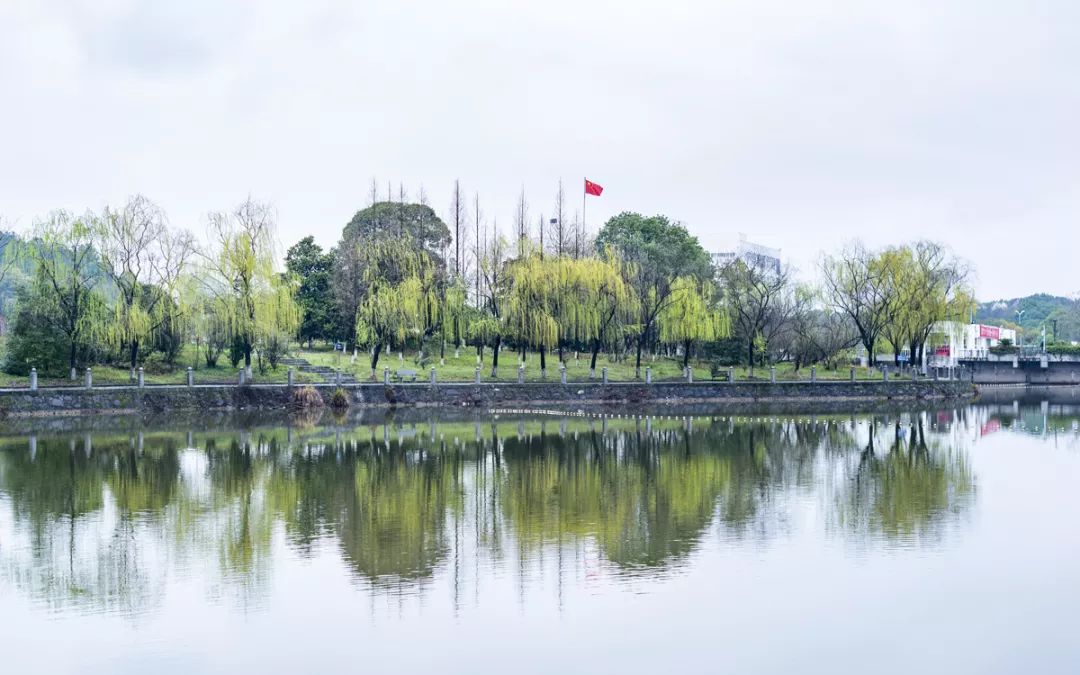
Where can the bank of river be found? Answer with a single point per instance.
(73, 400)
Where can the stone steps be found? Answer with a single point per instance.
(326, 373)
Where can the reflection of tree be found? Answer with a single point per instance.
(906, 490)
(644, 506)
(101, 521)
(393, 527)
(387, 507)
(77, 552)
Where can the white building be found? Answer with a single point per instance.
(750, 253)
(954, 340)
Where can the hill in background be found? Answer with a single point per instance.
(1038, 309)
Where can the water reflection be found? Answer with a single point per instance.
(102, 521)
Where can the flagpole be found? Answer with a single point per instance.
(584, 197)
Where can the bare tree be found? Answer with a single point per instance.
(492, 266)
(402, 196)
(857, 284)
(521, 222)
(10, 250)
(540, 230)
(560, 232)
(754, 292)
(458, 219)
(478, 240)
(144, 260)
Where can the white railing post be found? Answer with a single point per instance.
(89, 379)
(190, 377)
(648, 375)
(33, 379)
(141, 378)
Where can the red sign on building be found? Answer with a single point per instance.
(992, 332)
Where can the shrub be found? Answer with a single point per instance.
(307, 397)
(339, 400)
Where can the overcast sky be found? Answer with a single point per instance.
(803, 124)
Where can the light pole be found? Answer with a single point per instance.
(1019, 328)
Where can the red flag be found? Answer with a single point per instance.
(592, 188)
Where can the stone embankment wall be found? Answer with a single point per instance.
(1025, 372)
(62, 401)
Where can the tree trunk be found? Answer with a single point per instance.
(592, 360)
(750, 352)
(495, 356)
(686, 354)
(375, 358)
(543, 360)
(134, 353)
(637, 359)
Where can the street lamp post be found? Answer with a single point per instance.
(1020, 329)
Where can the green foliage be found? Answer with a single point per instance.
(33, 342)
(1063, 349)
(398, 296)
(657, 252)
(417, 222)
(255, 303)
(236, 351)
(311, 268)
(1054, 312)
(339, 400)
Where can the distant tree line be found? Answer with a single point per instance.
(117, 286)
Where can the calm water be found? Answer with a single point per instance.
(924, 541)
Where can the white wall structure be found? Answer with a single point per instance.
(951, 341)
(750, 253)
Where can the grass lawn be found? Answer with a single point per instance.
(157, 372)
(461, 368)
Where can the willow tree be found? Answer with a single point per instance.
(692, 315)
(399, 292)
(67, 272)
(381, 220)
(145, 261)
(529, 317)
(252, 297)
(450, 315)
(604, 305)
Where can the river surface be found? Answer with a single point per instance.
(910, 541)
